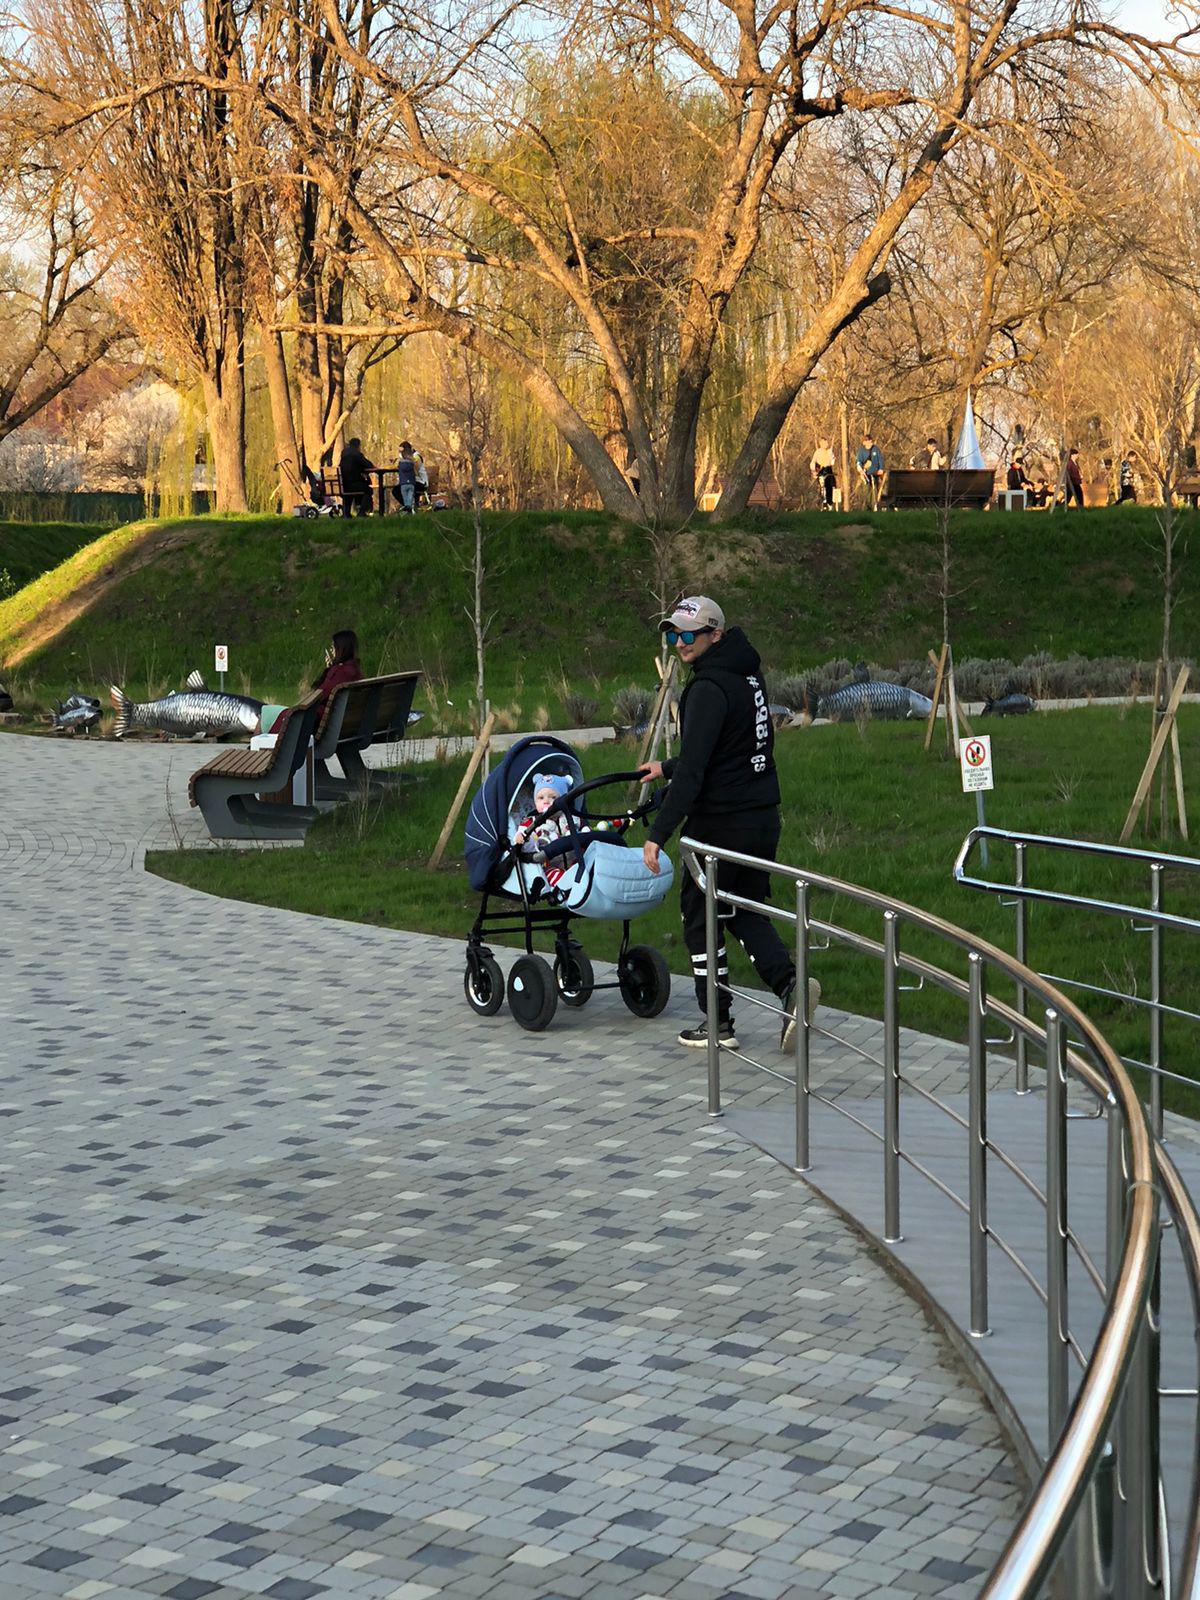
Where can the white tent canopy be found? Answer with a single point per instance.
(967, 453)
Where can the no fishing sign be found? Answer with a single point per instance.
(975, 758)
(221, 658)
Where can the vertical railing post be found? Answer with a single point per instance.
(1021, 952)
(1058, 1348)
(977, 1145)
(1138, 1552)
(976, 1149)
(891, 1080)
(800, 1001)
(712, 1000)
(1156, 1016)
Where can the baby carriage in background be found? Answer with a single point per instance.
(603, 878)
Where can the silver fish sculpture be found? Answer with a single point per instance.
(79, 713)
(863, 692)
(188, 712)
(1010, 702)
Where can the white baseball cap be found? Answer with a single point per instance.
(695, 612)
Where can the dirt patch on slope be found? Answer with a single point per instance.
(60, 614)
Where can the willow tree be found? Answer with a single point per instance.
(781, 77)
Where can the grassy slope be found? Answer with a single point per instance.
(865, 807)
(573, 592)
(29, 549)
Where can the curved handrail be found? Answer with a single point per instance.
(1040, 1532)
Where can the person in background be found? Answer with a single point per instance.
(1017, 476)
(823, 470)
(422, 479)
(1127, 478)
(932, 458)
(869, 461)
(1039, 496)
(341, 666)
(406, 479)
(353, 470)
(1073, 478)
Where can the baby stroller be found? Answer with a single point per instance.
(604, 879)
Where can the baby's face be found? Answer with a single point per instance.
(544, 799)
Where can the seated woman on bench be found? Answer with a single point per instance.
(341, 666)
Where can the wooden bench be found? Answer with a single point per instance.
(912, 487)
(1187, 488)
(230, 788)
(371, 711)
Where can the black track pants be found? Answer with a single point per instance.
(753, 833)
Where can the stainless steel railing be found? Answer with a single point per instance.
(1151, 918)
(1096, 1516)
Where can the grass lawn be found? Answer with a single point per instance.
(27, 549)
(867, 806)
(572, 598)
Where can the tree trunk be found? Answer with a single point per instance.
(286, 455)
(225, 404)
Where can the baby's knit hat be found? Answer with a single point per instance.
(551, 780)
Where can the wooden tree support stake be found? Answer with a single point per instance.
(659, 714)
(940, 663)
(1161, 739)
(481, 745)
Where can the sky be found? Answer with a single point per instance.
(1151, 17)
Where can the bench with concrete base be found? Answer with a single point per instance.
(371, 711)
(233, 790)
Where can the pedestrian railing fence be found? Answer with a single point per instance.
(1096, 1523)
(1147, 916)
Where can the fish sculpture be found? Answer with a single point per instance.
(864, 693)
(193, 710)
(79, 713)
(1010, 702)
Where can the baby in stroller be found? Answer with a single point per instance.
(554, 840)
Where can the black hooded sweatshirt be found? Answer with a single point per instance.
(726, 760)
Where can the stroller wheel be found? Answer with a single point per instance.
(483, 985)
(532, 995)
(645, 981)
(574, 977)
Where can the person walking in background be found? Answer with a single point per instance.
(422, 479)
(823, 470)
(354, 470)
(1073, 479)
(869, 461)
(1127, 478)
(406, 479)
(724, 788)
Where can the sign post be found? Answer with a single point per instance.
(975, 759)
(221, 661)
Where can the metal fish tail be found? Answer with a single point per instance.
(125, 710)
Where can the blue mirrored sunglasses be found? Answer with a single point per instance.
(687, 636)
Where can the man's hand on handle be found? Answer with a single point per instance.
(650, 772)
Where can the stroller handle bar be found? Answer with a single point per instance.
(565, 803)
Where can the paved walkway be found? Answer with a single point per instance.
(318, 1285)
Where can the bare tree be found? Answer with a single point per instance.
(56, 323)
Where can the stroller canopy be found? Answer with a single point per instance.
(489, 820)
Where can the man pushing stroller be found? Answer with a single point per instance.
(724, 786)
